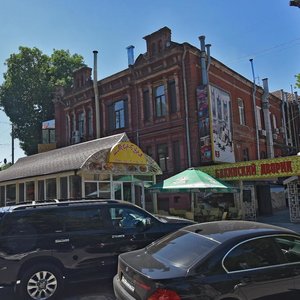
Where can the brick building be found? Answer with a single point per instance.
(181, 107)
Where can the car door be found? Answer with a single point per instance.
(260, 271)
(133, 228)
(85, 247)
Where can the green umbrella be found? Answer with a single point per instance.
(192, 180)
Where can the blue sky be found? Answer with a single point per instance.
(266, 30)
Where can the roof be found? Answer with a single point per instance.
(222, 231)
(65, 159)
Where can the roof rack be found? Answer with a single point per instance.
(63, 202)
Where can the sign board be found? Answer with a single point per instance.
(256, 169)
(126, 153)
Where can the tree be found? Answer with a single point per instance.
(26, 93)
(298, 81)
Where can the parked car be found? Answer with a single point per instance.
(222, 260)
(44, 243)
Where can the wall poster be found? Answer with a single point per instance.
(222, 146)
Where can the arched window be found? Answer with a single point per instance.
(241, 111)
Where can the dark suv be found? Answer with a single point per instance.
(43, 244)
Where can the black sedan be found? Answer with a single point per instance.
(216, 260)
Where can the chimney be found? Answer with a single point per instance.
(130, 55)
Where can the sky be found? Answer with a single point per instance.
(267, 31)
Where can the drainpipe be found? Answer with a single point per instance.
(255, 110)
(207, 46)
(96, 91)
(187, 126)
(283, 117)
(266, 112)
(289, 120)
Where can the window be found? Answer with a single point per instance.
(81, 124)
(149, 151)
(172, 96)
(41, 190)
(290, 247)
(176, 155)
(123, 217)
(257, 253)
(63, 188)
(241, 111)
(10, 194)
(2, 196)
(146, 105)
(21, 192)
(89, 123)
(117, 115)
(51, 188)
(163, 157)
(245, 154)
(82, 218)
(30, 191)
(160, 101)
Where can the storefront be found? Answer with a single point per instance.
(110, 167)
(258, 180)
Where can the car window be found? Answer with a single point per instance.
(290, 247)
(127, 217)
(85, 218)
(256, 253)
(31, 222)
(182, 248)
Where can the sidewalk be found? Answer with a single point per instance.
(280, 218)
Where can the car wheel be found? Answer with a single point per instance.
(43, 281)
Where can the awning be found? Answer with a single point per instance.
(192, 180)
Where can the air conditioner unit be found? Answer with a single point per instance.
(276, 130)
(262, 132)
(281, 129)
(275, 136)
(75, 137)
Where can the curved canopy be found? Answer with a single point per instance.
(87, 156)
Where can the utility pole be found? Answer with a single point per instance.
(12, 144)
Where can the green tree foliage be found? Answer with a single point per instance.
(27, 91)
(298, 81)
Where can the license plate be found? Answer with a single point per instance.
(127, 284)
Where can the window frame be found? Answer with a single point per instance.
(241, 107)
(160, 101)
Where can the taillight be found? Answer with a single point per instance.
(162, 294)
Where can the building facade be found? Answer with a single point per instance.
(183, 108)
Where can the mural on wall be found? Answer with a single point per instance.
(204, 124)
(222, 147)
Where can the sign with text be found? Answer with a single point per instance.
(256, 169)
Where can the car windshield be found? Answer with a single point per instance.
(182, 248)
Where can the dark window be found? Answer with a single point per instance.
(21, 192)
(63, 187)
(146, 105)
(81, 124)
(163, 156)
(117, 115)
(42, 221)
(176, 155)
(2, 196)
(261, 252)
(124, 217)
(172, 96)
(263, 154)
(82, 218)
(89, 123)
(245, 154)
(290, 247)
(41, 190)
(149, 151)
(160, 101)
(241, 111)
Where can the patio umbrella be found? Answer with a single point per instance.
(192, 180)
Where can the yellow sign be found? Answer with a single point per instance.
(126, 153)
(256, 169)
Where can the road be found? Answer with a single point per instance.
(97, 290)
